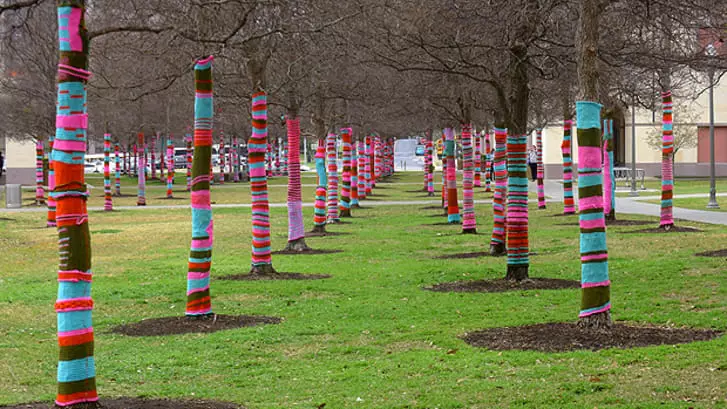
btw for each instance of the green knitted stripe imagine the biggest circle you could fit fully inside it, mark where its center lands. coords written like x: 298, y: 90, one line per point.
x: 592, y: 297
x: 72, y: 352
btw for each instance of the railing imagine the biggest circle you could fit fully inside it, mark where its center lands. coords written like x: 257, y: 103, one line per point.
x: 625, y: 175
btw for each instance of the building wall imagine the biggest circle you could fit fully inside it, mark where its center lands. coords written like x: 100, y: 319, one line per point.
x: 20, y: 160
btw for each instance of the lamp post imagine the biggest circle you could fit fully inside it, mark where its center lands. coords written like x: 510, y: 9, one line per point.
x: 711, y: 51
x: 633, y: 192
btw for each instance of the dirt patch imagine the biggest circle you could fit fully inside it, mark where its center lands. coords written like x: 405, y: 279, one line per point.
x: 560, y: 337
x: 183, y: 325
x: 136, y: 403
x: 619, y: 222
x: 674, y: 229
x: 563, y: 215
x: 476, y: 254
x: 501, y: 285
x: 6, y: 219
x: 274, y: 277
x: 171, y: 198
x: 307, y: 252
x: 715, y: 253
x: 325, y: 234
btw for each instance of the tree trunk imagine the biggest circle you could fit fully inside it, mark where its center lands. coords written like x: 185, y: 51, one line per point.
x: 39, y: 179
x: 609, y: 184
x: 74, y: 305
x: 540, y: 175
x: 345, y: 205
x: 51, y: 222
x: 361, y: 170
x: 498, y: 240
x: 296, y: 228
x: 667, y: 163
x: 108, y: 204
x: 469, y: 223
x: 488, y: 163
x: 453, y: 216
x: 518, y: 253
x: 188, y: 139
x: 478, y: 161
x: 333, y: 216
x: 117, y: 181
x: 430, y: 166
x: 319, y: 215
x: 200, y: 256
x: 170, y: 168
x: 566, y: 148
x: 141, y: 171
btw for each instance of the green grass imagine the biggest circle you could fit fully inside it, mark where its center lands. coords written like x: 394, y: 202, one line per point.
x: 682, y: 186
x: 369, y: 337
x: 698, y: 203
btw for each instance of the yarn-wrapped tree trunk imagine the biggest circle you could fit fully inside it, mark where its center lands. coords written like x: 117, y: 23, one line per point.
x: 135, y: 159
x: 39, y: 174
x: 609, y: 183
x: 141, y: 171
x: 488, y: 163
x: 444, y: 179
x: 333, y: 216
x: 478, y: 161
x: 498, y: 240
x: 269, y: 160
x: 51, y: 219
x: 262, y: 263
x: 540, y: 169
x: 518, y: 249
x: 154, y: 139
x: 452, y: 203
x: 345, y: 205
x: 469, y: 223
x: 221, y: 158
x: 188, y: 139
x: 117, y: 170
x: 430, y: 167
x: 566, y: 148
x: 170, y: 168
x: 319, y: 215
x: 595, y: 283
x: 199, y: 303
x: 354, y: 177
x: 667, y: 163
x: 107, y: 204
x: 362, y: 176
x: 378, y: 159
x: 296, y: 228
x: 74, y: 305
x: 236, y: 159
x: 370, y: 182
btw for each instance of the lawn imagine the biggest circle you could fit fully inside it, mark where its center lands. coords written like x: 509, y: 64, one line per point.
x: 369, y: 337
x: 682, y: 186
x: 696, y: 203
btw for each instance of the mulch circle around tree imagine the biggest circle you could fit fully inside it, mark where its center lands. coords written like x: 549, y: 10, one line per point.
x: 171, y: 198
x: 674, y: 229
x: 122, y: 195
x: 563, y: 215
x: 561, y: 337
x: 443, y: 224
x: 715, y: 253
x: 273, y: 277
x: 306, y: 252
x: 325, y: 234
x: 183, y: 325
x: 501, y: 285
x: 6, y: 219
x: 415, y: 191
x: 136, y: 403
x: 431, y: 208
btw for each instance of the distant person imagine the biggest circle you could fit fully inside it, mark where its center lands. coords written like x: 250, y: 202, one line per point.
x: 533, y: 162
x: 2, y: 162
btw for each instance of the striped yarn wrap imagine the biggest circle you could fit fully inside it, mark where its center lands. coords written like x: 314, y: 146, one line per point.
x: 452, y: 203
x: 107, y: 203
x: 540, y: 174
x: 154, y: 139
x: 51, y: 219
x: 135, y: 159
x: 426, y: 163
x: 430, y: 166
x: 518, y: 249
x: 221, y: 158
x: 141, y: 170
x: 362, y: 178
x: 667, y: 165
x: 354, y: 176
x: 332, y: 179
x: 39, y: 174
x: 319, y: 215
x: 488, y: 163
x: 595, y: 283
x: 170, y: 167
x: 370, y: 183
x: 200, y: 254
x: 284, y: 158
x: 498, y: 202
x: 117, y: 170
x: 445, y: 205
x: 345, y: 204
x: 188, y: 140
x: 609, y: 181
x: 566, y: 148
x: 478, y: 161
x: 259, y: 182
x: 378, y: 159
x: 276, y: 151
x: 469, y: 222
x: 236, y: 160
x: 296, y: 228
x: 76, y: 366
x: 269, y: 160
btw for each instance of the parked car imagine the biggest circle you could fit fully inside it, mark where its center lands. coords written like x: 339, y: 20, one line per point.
x: 419, y: 150
x: 92, y: 168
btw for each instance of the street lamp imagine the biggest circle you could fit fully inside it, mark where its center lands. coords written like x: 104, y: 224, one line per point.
x: 711, y: 51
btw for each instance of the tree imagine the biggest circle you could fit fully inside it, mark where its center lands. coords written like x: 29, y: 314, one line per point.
x: 76, y: 365
x: 684, y: 131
